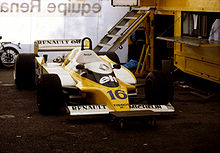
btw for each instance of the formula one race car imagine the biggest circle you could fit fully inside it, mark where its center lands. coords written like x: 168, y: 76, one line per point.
x: 95, y: 78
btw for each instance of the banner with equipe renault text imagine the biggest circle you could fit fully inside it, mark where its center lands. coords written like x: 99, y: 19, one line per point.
x: 25, y: 21
x: 51, y: 7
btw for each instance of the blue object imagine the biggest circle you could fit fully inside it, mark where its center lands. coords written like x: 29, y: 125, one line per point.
x: 132, y: 64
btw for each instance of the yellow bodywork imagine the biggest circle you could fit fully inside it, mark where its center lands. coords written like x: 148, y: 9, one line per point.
x: 115, y: 98
x: 99, y: 94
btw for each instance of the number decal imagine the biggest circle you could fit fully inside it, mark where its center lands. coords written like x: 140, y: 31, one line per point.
x: 120, y: 94
x: 111, y: 94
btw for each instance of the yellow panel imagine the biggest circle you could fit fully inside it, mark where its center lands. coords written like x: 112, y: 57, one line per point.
x: 147, y: 3
x: 177, y: 24
x: 189, y: 5
x: 198, y: 68
x: 151, y: 41
x: 179, y: 61
x: 202, y: 67
x: 209, y: 54
x: 205, y: 70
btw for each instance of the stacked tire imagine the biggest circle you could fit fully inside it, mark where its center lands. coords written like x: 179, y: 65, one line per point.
x: 159, y: 88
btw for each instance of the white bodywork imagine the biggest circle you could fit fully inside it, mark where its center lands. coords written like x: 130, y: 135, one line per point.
x: 91, y: 61
x: 123, y: 73
x: 55, y: 68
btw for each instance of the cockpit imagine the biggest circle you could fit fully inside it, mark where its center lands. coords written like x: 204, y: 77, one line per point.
x: 89, y: 59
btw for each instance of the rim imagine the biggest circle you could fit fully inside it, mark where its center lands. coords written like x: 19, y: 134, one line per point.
x: 8, y: 57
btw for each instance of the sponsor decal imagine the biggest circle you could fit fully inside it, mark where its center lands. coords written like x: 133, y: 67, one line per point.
x: 89, y: 107
x: 106, y: 79
x: 120, y: 105
x: 141, y: 106
x: 59, y: 42
x: 154, y: 108
x: 89, y: 54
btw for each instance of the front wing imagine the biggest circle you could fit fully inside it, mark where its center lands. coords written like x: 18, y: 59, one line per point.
x: 103, y: 109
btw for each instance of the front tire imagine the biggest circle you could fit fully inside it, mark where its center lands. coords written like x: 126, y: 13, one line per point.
x: 50, y: 96
x: 159, y: 88
x: 25, y: 71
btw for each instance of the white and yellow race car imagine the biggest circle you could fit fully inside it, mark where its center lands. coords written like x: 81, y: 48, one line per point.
x: 89, y: 83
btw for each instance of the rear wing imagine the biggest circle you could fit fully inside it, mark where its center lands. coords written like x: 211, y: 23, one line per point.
x: 56, y: 45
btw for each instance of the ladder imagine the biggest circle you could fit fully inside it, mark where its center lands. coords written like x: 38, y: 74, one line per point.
x: 112, y: 40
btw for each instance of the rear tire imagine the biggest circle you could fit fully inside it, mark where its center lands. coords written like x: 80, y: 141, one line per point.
x: 50, y: 97
x: 25, y: 71
x: 159, y: 88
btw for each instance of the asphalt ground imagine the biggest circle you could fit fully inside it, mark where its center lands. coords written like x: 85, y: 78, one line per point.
x: 194, y: 128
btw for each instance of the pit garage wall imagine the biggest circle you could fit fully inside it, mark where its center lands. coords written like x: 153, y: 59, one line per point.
x: 25, y: 21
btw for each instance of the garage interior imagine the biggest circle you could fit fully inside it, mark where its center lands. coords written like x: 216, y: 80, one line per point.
x: 181, y: 40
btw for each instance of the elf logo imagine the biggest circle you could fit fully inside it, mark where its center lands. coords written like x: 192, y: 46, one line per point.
x: 106, y: 79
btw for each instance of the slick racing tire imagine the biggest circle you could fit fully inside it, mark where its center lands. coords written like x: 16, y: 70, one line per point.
x: 112, y: 55
x: 25, y: 71
x: 50, y: 97
x: 159, y: 88
x: 7, y: 58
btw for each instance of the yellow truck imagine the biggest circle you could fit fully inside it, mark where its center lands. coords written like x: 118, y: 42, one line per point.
x: 185, y: 32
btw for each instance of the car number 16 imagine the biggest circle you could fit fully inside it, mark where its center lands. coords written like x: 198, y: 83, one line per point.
x: 120, y: 94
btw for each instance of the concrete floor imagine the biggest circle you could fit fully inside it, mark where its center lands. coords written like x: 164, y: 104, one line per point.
x: 195, y: 127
